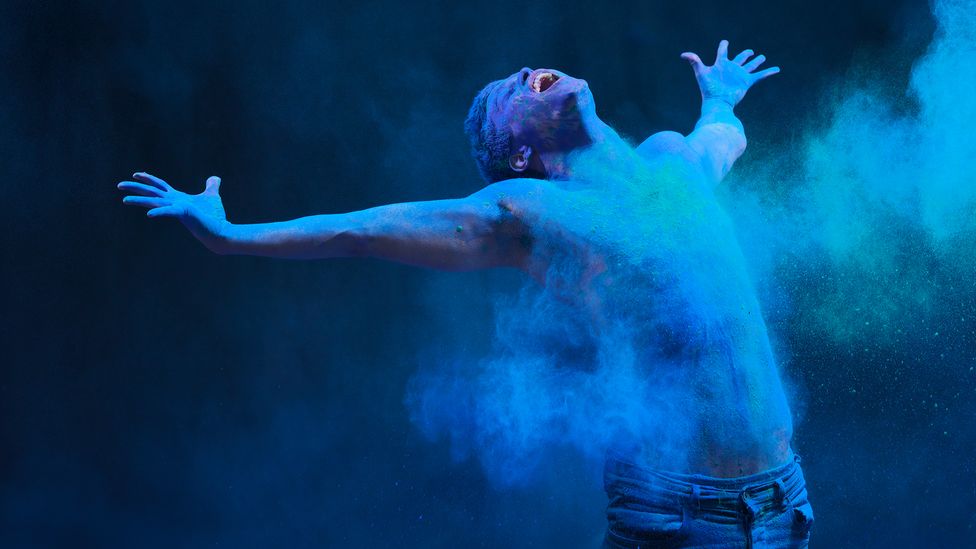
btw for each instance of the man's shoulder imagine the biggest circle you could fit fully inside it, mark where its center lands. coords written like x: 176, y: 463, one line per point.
x: 518, y: 186
x: 524, y: 190
x: 667, y: 144
x: 526, y: 198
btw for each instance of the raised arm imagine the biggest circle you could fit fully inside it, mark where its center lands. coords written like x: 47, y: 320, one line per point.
x: 719, y: 138
x: 480, y: 231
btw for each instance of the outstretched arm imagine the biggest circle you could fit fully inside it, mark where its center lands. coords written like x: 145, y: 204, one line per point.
x: 476, y: 232
x: 719, y: 138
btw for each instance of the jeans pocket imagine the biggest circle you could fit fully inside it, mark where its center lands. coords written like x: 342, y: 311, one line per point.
x: 802, y: 518
x: 636, y: 528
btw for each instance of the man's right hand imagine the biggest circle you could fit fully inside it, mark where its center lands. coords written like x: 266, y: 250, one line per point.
x: 203, y: 214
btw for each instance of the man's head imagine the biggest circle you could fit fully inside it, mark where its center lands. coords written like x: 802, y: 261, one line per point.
x: 515, y: 123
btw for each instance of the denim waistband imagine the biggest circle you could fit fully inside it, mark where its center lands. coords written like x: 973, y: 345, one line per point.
x: 630, y: 485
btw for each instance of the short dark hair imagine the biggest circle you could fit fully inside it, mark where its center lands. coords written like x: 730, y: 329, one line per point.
x: 490, y: 145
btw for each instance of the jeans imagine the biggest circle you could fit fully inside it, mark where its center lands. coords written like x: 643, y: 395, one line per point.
x: 657, y: 509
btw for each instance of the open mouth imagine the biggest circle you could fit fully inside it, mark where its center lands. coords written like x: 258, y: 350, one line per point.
x: 543, y: 81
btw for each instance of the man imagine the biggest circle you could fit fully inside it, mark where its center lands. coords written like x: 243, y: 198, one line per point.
x: 635, y: 240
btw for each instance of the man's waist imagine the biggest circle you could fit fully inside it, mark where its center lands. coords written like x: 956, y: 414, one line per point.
x: 634, y: 486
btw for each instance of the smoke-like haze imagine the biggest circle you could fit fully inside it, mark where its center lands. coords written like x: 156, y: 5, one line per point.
x: 551, y: 386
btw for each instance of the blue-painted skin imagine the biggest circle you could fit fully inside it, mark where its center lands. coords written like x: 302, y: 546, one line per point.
x: 633, y: 238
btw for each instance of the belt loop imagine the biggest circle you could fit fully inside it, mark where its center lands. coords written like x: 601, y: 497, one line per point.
x: 779, y: 492
x: 696, y: 499
x: 750, y: 508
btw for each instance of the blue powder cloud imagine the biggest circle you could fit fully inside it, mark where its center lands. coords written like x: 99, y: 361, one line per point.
x: 869, y: 207
x: 880, y: 205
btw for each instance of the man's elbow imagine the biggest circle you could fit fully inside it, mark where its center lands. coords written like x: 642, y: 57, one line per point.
x: 742, y: 142
x: 733, y: 136
x: 721, y: 164
x: 737, y: 147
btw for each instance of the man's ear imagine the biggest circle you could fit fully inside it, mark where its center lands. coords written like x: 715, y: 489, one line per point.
x: 519, y: 161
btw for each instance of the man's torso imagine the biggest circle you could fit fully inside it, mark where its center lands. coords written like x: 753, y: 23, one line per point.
x: 651, y: 262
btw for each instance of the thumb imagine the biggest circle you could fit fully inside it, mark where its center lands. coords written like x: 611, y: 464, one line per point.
x: 694, y: 60
x: 213, y: 185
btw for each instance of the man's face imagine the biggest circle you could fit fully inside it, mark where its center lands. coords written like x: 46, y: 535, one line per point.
x: 543, y: 108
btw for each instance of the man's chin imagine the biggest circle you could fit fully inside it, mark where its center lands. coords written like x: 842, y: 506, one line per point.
x: 578, y: 101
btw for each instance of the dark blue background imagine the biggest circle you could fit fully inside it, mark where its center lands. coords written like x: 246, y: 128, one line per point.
x: 155, y: 395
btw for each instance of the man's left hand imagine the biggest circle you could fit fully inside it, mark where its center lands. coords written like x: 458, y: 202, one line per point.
x: 728, y: 79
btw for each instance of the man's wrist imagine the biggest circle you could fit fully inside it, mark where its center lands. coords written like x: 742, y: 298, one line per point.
x: 225, y: 238
x: 717, y: 110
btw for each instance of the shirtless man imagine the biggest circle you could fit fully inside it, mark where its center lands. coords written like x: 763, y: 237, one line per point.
x: 636, y: 240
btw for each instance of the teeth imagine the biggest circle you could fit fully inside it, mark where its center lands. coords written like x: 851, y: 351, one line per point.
x: 537, y: 81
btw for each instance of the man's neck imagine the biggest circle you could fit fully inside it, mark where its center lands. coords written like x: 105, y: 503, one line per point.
x: 603, y: 145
